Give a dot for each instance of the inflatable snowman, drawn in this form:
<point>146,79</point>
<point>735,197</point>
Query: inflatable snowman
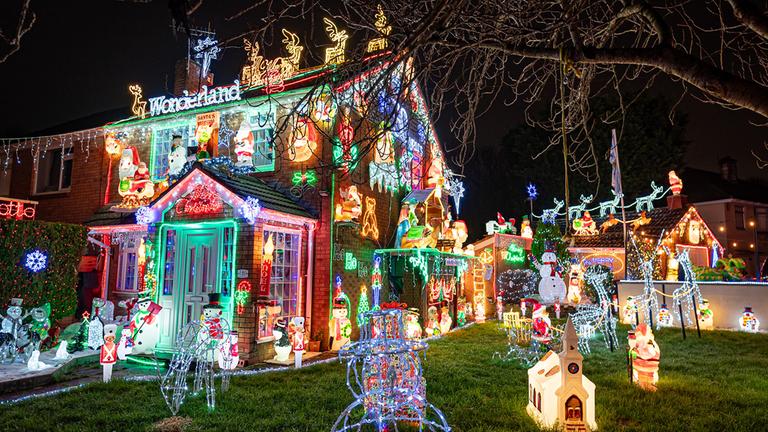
<point>551,286</point>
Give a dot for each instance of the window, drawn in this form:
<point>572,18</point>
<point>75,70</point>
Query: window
<point>128,269</point>
<point>170,262</point>
<point>739,217</point>
<point>161,145</point>
<point>5,180</point>
<point>761,214</point>
<point>54,171</point>
<point>262,127</point>
<point>283,287</point>
<point>699,254</point>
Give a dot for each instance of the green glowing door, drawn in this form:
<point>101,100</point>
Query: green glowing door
<point>198,260</point>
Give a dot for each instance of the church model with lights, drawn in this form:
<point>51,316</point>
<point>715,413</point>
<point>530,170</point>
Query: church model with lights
<point>292,192</point>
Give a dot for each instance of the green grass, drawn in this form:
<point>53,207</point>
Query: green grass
<point>718,382</point>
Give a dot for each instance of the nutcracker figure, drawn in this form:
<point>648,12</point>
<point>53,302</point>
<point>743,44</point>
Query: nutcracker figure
<point>108,355</point>
<point>297,340</point>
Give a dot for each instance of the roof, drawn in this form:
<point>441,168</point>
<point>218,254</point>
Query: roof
<point>662,219</point>
<point>105,217</point>
<point>244,186</point>
<point>703,186</point>
<point>419,196</point>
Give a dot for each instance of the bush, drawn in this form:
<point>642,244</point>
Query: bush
<point>514,285</point>
<point>63,244</point>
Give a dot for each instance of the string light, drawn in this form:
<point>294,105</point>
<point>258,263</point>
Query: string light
<point>335,54</point>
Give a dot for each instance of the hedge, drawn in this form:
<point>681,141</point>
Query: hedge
<point>63,244</point>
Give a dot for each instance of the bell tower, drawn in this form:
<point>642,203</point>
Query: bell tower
<point>572,396</point>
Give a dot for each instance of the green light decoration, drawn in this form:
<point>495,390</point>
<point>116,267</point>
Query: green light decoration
<point>350,262</point>
<point>362,307</point>
<point>514,254</point>
<point>421,263</point>
<point>346,160</point>
<point>308,178</point>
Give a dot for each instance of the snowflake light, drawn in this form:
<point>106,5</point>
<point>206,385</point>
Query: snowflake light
<point>250,209</point>
<point>144,215</point>
<point>532,192</point>
<point>36,261</point>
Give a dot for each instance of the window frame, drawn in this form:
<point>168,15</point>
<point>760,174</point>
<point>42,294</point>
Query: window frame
<point>68,156</point>
<point>129,246</point>
<point>173,126</point>
<point>297,248</point>
<point>268,126</point>
<point>761,213</point>
<point>739,222</point>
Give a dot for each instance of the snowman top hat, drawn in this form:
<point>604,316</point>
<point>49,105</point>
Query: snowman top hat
<point>213,301</point>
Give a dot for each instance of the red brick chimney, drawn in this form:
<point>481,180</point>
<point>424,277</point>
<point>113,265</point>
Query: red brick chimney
<point>187,77</point>
<point>677,201</point>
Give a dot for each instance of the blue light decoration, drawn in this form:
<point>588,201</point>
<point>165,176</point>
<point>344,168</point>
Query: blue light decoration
<point>145,215</point>
<point>532,192</point>
<point>36,261</point>
<point>250,209</point>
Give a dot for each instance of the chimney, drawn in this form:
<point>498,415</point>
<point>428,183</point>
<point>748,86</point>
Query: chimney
<point>677,201</point>
<point>187,77</point>
<point>728,169</point>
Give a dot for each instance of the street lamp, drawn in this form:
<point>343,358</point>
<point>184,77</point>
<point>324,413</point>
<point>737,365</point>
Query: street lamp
<point>753,225</point>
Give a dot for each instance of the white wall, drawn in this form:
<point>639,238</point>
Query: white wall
<point>726,299</point>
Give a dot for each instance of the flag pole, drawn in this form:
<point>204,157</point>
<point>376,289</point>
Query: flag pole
<point>615,146</point>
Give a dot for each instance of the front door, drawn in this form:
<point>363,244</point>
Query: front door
<point>192,260</point>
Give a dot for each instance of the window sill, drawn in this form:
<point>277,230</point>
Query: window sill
<point>266,340</point>
<point>52,194</point>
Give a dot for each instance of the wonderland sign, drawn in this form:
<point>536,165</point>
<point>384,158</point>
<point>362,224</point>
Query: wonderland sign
<point>205,97</point>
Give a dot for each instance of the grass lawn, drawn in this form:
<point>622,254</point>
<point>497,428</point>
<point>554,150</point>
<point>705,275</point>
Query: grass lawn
<point>717,383</point>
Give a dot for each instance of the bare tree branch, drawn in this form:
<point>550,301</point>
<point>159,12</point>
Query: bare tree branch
<point>26,21</point>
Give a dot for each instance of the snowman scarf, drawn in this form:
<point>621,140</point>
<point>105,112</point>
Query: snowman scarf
<point>553,268</point>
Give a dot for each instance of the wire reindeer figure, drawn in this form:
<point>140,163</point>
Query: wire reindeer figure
<point>587,318</point>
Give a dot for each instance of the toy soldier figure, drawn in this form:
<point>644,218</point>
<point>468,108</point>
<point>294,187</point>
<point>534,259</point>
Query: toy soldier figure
<point>108,355</point>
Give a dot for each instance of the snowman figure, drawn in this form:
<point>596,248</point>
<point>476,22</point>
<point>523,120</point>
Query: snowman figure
<point>177,158</point>
<point>143,327</point>
<point>551,285</point>
<point>244,145</point>
<point>11,323</point>
<point>125,346</point>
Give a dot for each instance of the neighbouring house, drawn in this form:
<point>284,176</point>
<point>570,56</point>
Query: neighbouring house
<point>277,191</point>
<point>736,209</point>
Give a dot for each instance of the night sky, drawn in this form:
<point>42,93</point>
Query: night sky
<point>80,57</point>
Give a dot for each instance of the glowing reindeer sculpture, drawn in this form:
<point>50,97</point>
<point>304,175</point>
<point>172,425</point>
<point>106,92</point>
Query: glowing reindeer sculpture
<point>588,317</point>
<point>689,291</point>
<point>648,302</point>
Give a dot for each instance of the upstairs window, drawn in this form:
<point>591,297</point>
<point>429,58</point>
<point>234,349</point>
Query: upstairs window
<point>162,136</point>
<point>739,217</point>
<point>54,171</point>
<point>263,129</point>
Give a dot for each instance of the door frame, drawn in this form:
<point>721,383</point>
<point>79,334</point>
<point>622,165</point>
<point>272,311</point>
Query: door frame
<point>173,303</point>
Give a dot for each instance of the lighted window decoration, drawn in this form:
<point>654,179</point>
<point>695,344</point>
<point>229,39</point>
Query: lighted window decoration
<point>200,201</point>
<point>139,105</point>
<point>266,266</point>
<point>250,209</point>
<point>350,262</point>
<point>370,226</point>
<point>165,159</point>
<point>383,29</point>
<point>748,322</point>
<point>284,287</point>
<point>302,182</point>
<point>335,54</point>
<point>36,261</point>
<point>242,293</point>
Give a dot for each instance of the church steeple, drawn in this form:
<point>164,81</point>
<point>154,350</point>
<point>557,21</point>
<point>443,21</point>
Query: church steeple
<point>570,357</point>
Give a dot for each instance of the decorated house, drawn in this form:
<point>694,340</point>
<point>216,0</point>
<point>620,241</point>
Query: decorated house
<point>662,231</point>
<point>284,192</point>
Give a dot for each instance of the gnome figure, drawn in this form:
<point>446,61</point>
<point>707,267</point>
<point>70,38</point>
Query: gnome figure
<point>41,322</point>
<point>108,355</point>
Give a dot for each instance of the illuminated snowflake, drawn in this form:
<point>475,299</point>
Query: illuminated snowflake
<point>532,192</point>
<point>250,209</point>
<point>144,215</point>
<point>36,261</point>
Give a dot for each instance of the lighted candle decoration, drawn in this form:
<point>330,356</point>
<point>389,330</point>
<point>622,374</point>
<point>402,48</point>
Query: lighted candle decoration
<point>266,267</point>
<point>748,321</point>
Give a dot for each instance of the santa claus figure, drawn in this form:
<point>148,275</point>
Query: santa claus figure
<point>350,207</point>
<point>645,356</point>
<point>244,145</point>
<point>675,183</point>
<point>304,140</point>
<point>108,355</point>
<point>542,326</point>
<point>129,163</point>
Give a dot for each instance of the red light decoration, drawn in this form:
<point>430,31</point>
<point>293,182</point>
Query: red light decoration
<point>201,201</point>
<point>266,267</point>
<point>17,209</point>
<point>242,292</point>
